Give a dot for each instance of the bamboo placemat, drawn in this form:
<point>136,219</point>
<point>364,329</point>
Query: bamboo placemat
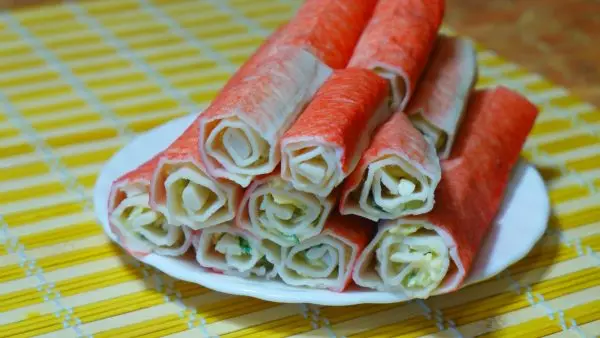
<point>79,80</point>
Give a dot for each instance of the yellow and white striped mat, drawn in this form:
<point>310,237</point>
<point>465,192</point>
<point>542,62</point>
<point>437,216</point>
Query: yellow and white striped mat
<point>78,80</point>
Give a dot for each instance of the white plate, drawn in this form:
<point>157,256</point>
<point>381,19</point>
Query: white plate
<point>520,224</point>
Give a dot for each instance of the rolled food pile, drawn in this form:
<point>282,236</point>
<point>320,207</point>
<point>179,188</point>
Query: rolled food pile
<point>354,112</point>
<point>434,252</point>
<point>240,134</point>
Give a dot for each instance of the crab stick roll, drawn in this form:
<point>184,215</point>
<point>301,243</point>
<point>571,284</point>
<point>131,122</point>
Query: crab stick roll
<point>324,145</point>
<point>433,253</point>
<point>240,131</point>
<point>181,186</point>
<point>328,29</point>
<point>397,42</point>
<point>274,210</point>
<point>233,251</point>
<point>396,176</point>
<point>140,229</point>
<point>327,260</point>
<point>437,107</point>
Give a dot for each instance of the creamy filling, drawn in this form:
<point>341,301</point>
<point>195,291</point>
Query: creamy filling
<point>234,252</point>
<point>411,259</point>
<point>238,147</point>
<point>434,135</point>
<point>320,262</point>
<point>196,200</point>
<point>286,216</point>
<point>313,169</point>
<point>392,188</point>
<point>147,227</point>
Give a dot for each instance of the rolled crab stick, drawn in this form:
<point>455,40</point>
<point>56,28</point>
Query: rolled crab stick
<point>433,253</point>
<point>240,136</point>
<point>396,176</point>
<point>328,29</point>
<point>324,145</point>
<point>397,42</point>
<point>274,210</point>
<point>327,260</point>
<point>442,94</point>
<point>140,229</point>
<point>181,186</point>
<point>240,130</point>
<point>231,250</point>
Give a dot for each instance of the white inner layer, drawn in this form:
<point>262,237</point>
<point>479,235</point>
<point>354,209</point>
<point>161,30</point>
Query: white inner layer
<point>196,200</point>
<point>146,229</point>
<point>238,147</point>
<point>317,167</point>
<point>397,84</point>
<point>319,262</point>
<point>392,188</point>
<point>313,168</point>
<point>434,135</point>
<point>407,258</point>
<point>284,215</point>
<point>246,141</point>
<point>233,251</point>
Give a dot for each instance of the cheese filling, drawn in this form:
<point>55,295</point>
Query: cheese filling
<point>235,252</point>
<point>411,259</point>
<point>286,216</point>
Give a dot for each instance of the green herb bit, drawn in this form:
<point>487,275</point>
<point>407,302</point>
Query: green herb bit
<point>298,212</point>
<point>410,276</point>
<point>244,245</point>
<point>295,239</point>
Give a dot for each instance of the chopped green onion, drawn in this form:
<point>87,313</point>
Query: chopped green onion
<point>244,245</point>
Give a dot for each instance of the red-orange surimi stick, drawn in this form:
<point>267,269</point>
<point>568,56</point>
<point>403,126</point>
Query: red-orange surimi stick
<point>326,142</point>
<point>329,29</point>
<point>274,210</point>
<point>437,107</point>
<point>433,253</point>
<point>327,260</point>
<point>397,41</point>
<point>240,131</point>
<point>140,229</point>
<point>188,195</point>
<point>396,176</point>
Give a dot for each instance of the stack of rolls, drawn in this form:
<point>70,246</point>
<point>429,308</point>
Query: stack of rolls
<point>350,148</point>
